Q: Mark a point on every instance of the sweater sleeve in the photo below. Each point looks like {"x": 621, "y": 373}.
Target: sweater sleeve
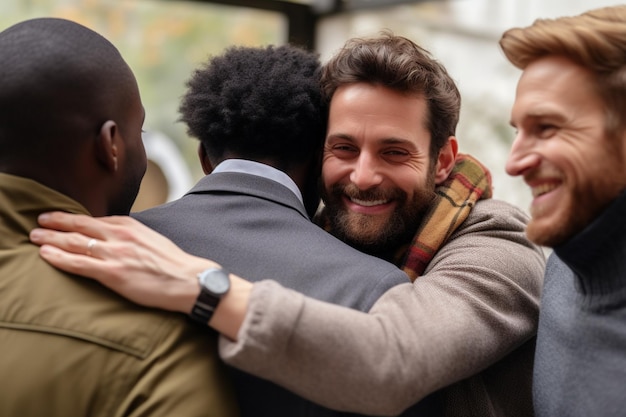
{"x": 477, "y": 301}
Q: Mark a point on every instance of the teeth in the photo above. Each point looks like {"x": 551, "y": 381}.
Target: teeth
{"x": 542, "y": 189}
{"x": 368, "y": 203}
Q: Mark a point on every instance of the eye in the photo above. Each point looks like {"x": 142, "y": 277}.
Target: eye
{"x": 545, "y": 130}
{"x": 344, "y": 150}
{"x": 396, "y": 155}
{"x": 396, "y": 152}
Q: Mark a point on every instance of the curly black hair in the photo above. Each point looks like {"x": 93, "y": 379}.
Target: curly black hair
{"x": 258, "y": 103}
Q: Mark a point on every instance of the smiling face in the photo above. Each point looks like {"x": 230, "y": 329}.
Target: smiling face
{"x": 572, "y": 167}
{"x": 377, "y": 175}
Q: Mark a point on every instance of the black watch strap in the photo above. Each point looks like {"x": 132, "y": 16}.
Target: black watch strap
{"x": 204, "y": 307}
{"x": 214, "y": 284}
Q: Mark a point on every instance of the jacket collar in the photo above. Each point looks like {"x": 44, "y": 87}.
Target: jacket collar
{"x": 249, "y": 184}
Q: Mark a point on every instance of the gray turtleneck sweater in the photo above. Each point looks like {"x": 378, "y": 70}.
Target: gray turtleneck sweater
{"x": 580, "y": 363}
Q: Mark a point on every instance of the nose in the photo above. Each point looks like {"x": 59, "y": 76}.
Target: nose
{"x": 521, "y": 157}
{"x": 366, "y": 172}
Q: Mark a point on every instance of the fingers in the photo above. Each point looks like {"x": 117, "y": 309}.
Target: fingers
{"x": 91, "y": 245}
{"x": 67, "y": 222}
{"x": 112, "y": 228}
{"x": 97, "y": 227}
{"x": 122, "y": 254}
{"x": 78, "y": 264}
{"x": 142, "y": 277}
{"x": 70, "y": 242}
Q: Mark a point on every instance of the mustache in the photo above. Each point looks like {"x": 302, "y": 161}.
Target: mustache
{"x": 352, "y": 191}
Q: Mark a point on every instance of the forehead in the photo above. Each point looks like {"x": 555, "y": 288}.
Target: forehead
{"x": 554, "y": 85}
{"x": 365, "y": 111}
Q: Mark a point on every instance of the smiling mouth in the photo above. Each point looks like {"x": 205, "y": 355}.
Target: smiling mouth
{"x": 542, "y": 189}
{"x": 368, "y": 203}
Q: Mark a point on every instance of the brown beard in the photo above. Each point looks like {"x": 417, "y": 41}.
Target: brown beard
{"x": 373, "y": 235}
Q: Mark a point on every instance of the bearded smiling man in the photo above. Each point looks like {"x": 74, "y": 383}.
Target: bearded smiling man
{"x": 378, "y": 181}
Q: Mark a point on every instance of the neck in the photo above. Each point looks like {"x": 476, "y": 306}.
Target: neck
{"x": 89, "y": 193}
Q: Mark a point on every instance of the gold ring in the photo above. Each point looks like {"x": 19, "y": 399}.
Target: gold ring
{"x": 90, "y": 245}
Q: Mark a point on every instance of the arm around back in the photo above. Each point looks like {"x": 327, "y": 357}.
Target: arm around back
{"x": 477, "y": 302}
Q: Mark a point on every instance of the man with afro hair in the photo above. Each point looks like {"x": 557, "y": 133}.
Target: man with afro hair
{"x": 261, "y": 121}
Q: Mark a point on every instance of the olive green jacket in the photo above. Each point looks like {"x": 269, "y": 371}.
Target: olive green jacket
{"x": 70, "y": 347}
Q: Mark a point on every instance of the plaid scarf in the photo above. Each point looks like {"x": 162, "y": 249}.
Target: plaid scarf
{"x": 468, "y": 182}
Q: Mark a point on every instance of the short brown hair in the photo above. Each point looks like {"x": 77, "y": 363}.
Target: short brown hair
{"x": 595, "y": 40}
{"x": 398, "y": 63}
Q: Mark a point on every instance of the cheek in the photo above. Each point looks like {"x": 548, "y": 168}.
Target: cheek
{"x": 584, "y": 165}
{"x": 140, "y": 154}
{"x": 136, "y": 158}
{"x": 333, "y": 171}
{"x": 410, "y": 181}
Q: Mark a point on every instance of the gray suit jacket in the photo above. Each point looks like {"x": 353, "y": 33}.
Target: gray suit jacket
{"x": 258, "y": 229}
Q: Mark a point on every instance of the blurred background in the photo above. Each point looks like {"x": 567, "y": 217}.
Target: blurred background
{"x": 165, "y": 40}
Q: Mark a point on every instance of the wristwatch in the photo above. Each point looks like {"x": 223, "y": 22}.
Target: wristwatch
{"x": 214, "y": 284}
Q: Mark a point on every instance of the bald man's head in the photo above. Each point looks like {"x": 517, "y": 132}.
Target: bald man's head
{"x": 60, "y": 83}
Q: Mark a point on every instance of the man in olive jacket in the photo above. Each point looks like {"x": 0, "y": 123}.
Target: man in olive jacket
{"x": 70, "y": 139}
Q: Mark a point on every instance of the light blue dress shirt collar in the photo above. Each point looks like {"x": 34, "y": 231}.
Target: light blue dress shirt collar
{"x": 256, "y": 168}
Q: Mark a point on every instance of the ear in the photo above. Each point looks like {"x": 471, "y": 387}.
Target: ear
{"x": 446, "y": 159}
{"x": 207, "y": 166}
{"x": 107, "y": 145}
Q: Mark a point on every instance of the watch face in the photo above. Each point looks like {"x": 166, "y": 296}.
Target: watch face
{"x": 215, "y": 280}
